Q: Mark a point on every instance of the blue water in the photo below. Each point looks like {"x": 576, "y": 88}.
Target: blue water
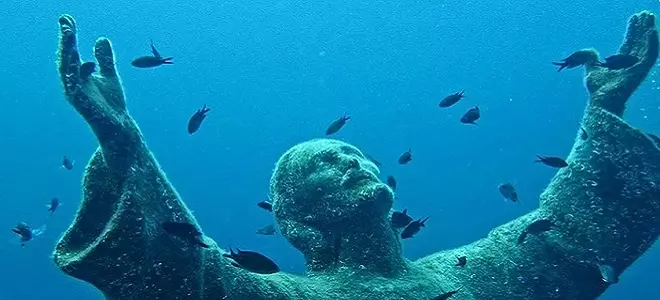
{"x": 276, "y": 73}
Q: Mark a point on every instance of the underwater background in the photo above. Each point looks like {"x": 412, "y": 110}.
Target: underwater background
{"x": 276, "y": 73}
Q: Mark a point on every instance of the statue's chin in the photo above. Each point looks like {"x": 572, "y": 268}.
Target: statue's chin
{"x": 375, "y": 196}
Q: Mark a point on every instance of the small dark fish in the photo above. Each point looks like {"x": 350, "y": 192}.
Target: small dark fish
{"x": 267, "y": 205}
{"x": 536, "y": 227}
{"x": 583, "y": 134}
{"x": 462, "y": 261}
{"x": 54, "y": 204}
{"x": 413, "y": 228}
{"x": 451, "y": 99}
{"x": 196, "y": 119}
{"x": 471, "y": 116}
{"x": 337, "y": 124}
{"x": 26, "y": 232}
{"x": 619, "y": 61}
{"x": 86, "y": 69}
{"x": 576, "y": 59}
{"x": 373, "y": 160}
{"x": 446, "y": 295}
{"x": 406, "y": 157}
{"x": 391, "y": 182}
{"x": 267, "y": 230}
{"x": 608, "y": 274}
{"x": 185, "y": 231}
{"x": 67, "y": 163}
{"x": 153, "y": 60}
{"x": 508, "y": 191}
{"x": 400, "y": 219}
{"x": 555, "y": 162}
{"x": 252, "y": 261}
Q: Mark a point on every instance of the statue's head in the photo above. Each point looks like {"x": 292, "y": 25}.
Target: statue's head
{"x": 325, "y": 186}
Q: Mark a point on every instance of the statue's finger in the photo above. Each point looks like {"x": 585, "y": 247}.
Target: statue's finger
{"x": 105, "y": 57}
{"x": 632, "y": 34}
{"x": 68, "y": 41}
{"x": 648, "y": 52}
{"x": 68, "y": 57}
{"x": 67, "y": 32}
{"x": 648, "y": 55}
{"x": 652, "y": 48}
{"x": 649, "y": 21}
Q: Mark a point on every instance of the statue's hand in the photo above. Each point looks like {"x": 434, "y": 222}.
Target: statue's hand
{"x": 100, "y": 93}
{"x": 612, "y": 88}
{"x": 99, "y": 97}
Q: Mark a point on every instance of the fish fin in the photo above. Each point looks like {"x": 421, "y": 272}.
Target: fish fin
{"x": 405, "y": 211}
{"x": 560, "y": 65}
{"x": 231, "y": 253}
{"x": 153, "y": 50}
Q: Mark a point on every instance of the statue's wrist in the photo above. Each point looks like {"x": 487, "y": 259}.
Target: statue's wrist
{"x": 612, "y": 101}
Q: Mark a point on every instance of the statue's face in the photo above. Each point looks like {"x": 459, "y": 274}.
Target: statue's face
{"x": 328, "y": 183}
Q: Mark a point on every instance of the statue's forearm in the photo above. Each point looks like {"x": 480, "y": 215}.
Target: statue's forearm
{"x": 116, "y": 242}
{"x": 117, "y": 133}
{"x": 605, "y": 205}
{"x": 608, "y": 199}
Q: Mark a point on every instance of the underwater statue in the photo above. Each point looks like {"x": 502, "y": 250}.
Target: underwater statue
{"x": 604, "y": 208}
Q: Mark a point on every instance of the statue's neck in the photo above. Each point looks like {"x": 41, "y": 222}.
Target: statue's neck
{"x": 365, "y": 247}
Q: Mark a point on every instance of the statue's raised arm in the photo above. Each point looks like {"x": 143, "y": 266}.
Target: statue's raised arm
{"x": 603, "y": 208}
{"x": 116, "y": 241}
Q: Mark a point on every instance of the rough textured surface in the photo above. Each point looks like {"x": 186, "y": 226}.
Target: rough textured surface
{"x": 331, "y": 206}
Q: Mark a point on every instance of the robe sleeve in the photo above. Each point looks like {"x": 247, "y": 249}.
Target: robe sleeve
{"x": 606, "y": 207}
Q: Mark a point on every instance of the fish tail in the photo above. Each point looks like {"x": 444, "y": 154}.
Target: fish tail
{"x": 167, "y": 60}
{"x": 522, "y": 236}
{"x": 560, "y": 65}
